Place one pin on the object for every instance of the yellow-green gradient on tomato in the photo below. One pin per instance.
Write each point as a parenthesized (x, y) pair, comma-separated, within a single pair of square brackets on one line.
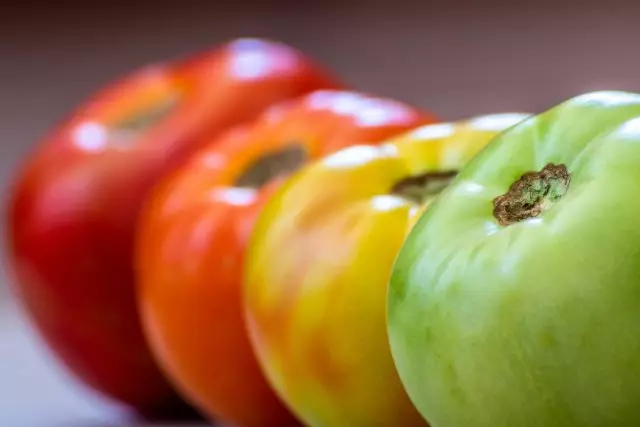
[(516, 298), (318, 266)]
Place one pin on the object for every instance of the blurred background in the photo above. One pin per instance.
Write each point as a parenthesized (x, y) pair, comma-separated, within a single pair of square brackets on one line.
[(456, 58)]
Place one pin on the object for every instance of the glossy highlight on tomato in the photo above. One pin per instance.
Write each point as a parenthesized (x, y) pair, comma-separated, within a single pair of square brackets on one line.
[(74, 203), (193, 237), (318, 264)]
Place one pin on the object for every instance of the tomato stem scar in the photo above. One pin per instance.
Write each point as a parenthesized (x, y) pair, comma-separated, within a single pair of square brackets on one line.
[(130, 127), (421, 188), (271, 165), (532, 194)]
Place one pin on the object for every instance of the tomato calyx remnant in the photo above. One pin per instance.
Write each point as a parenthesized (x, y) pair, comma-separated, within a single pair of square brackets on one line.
[(271, 165), (130, 127), (532, 194), (422, 188)]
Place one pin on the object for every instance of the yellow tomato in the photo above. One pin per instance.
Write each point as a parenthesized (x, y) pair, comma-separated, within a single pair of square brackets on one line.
[(318, 265)]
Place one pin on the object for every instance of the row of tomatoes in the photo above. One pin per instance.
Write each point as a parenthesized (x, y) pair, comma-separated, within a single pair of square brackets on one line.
[(222, 228)]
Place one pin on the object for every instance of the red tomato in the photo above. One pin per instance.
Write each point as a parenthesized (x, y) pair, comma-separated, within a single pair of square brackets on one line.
[(194, 232), (75, 202)]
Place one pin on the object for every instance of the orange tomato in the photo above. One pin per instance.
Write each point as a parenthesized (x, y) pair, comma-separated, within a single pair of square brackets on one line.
[(194, 232)]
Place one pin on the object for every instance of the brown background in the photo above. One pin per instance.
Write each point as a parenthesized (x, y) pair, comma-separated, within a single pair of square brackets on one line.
[(457, 58)]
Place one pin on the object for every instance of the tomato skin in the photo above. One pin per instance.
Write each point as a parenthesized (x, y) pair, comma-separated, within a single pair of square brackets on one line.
[(317, 269), (192, 240), (75, 201)]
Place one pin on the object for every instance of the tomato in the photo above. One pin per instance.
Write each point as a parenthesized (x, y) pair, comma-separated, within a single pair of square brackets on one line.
[(194, 233), (318, 264), (74, 204), (516, 299)]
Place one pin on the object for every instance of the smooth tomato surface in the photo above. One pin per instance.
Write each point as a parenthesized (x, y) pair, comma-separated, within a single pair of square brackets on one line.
[(516, 298), (75, 201), (318, 265), (192, 242)]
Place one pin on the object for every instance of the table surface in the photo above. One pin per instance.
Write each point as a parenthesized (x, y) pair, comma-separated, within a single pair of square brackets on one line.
[(35, 391)]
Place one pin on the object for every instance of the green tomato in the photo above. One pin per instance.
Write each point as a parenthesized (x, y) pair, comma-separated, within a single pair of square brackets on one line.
[(515, 301)]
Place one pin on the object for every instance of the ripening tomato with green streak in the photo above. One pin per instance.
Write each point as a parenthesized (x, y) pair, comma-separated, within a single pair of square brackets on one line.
[(318, 264)]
